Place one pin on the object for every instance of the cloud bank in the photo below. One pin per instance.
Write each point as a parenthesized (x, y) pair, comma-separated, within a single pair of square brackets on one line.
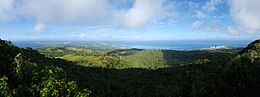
[(114, 15), (246, 14), (137, 14), (7, 10), (65, 11)]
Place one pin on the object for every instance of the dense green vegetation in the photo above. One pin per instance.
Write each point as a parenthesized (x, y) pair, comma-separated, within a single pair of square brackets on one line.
[(21, 77), (130, 72), (135, 58)]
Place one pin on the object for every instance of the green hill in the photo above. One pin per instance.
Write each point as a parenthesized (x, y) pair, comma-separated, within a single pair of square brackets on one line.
[(253, 49), (21, 77), (255, 45)]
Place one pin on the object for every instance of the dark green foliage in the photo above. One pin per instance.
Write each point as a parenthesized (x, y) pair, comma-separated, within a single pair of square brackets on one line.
[(241, 77), (203, 74), (5, 91), (22, 78), (254, 46), (174, 58), (237, 78), (202, 61)]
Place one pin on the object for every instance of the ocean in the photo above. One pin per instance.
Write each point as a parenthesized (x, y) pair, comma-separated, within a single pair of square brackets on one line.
[(151, 45)]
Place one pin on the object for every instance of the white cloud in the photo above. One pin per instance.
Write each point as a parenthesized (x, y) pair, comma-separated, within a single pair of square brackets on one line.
[(65, 11), (82, 35), (246, 14), (7, 10), (90, 12), (197, 25), (144, 12), (232, 31), (211, 5), (199, 14), (212, 25), (193, 5), (40, 28), (57, 11), (206, 9)]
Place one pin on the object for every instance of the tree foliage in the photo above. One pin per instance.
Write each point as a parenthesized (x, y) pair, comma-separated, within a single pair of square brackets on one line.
[(25, 78)]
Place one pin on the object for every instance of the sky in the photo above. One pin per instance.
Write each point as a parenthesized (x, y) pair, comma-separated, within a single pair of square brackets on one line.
[(129, 20)]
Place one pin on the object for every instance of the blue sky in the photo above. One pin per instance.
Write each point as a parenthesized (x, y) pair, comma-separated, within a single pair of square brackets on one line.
[(129, 19)]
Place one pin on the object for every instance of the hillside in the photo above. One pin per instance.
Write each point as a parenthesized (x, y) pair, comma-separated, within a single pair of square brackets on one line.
[(194, 71), (136, 58), (128, 72), (253, 49), (22, 76)]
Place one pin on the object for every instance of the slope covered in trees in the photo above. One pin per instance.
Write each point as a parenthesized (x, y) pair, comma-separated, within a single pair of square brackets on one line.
[(131, 72), (252, 50), (20, 77)]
